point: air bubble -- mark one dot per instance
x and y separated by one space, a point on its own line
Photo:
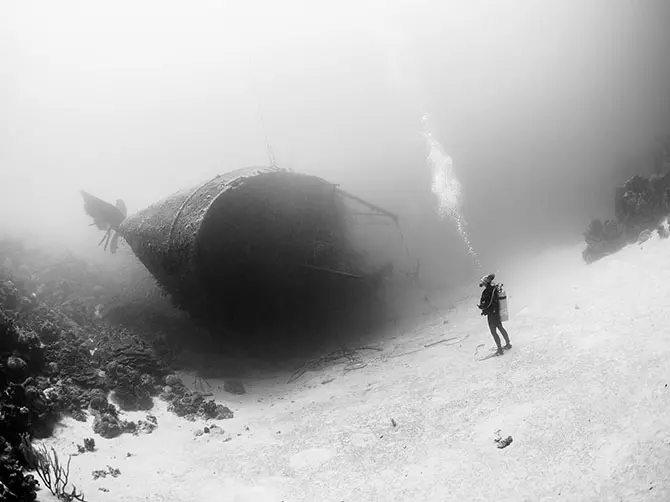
446 186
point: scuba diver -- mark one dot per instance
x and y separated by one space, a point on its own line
490 307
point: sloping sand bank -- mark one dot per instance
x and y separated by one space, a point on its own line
584 394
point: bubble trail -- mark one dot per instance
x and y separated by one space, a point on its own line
446 186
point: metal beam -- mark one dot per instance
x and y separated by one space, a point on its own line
372 206
331 271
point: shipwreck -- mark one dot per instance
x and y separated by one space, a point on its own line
258 248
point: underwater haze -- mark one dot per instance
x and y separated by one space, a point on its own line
253 338
540 105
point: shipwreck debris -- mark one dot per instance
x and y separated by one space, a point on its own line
248 250
351 355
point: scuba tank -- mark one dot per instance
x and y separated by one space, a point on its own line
502 303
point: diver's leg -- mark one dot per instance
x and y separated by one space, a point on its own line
492 327
504 334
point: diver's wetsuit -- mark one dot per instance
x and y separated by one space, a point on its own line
490 305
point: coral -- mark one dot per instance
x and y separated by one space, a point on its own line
107 425
59 357
149 425
103 473
89 445
190 405
9 295
48 332
603 239
132 390
18 486
54 475
641 204
133 370
73 358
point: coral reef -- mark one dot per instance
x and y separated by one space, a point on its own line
603 239
59 355
133 371
190 404
15 485
640 205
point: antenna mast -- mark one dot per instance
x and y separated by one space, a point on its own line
271 154
268 146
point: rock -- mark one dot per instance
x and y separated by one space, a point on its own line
187 404
48 332
132 390
103 473
223 412
198 432
504 443
234 387
208 408
130 427
16 364
132 399
173 380
148 425
98 404
78 415
107 426
99 473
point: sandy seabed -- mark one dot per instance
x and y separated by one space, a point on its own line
584 394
